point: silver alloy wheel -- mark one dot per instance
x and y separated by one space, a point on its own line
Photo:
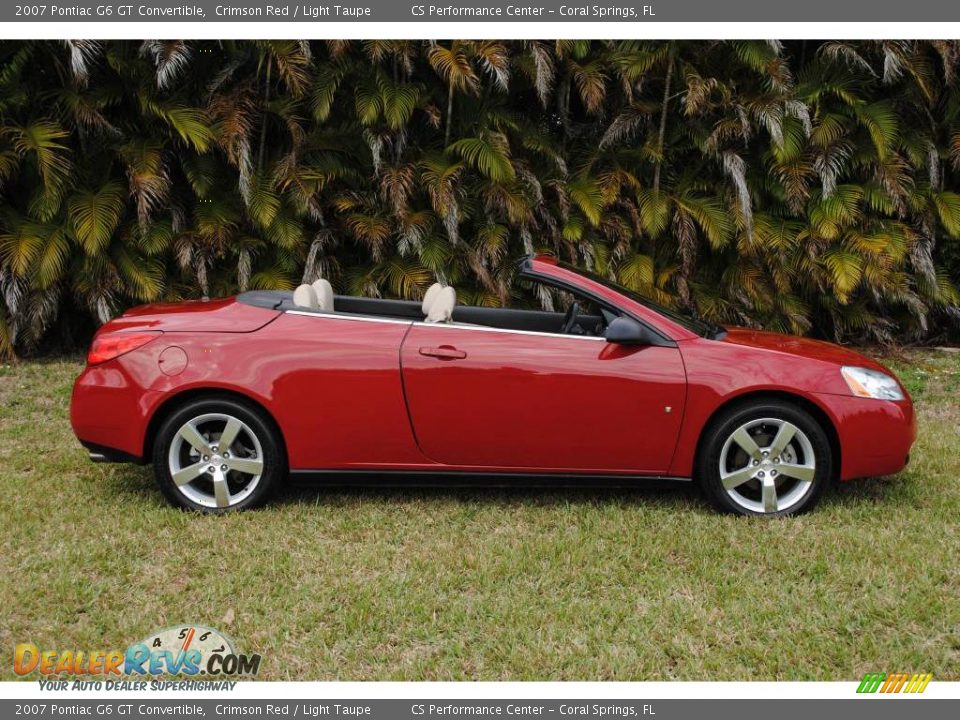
215 460
767 465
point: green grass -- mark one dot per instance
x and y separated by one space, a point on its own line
447 584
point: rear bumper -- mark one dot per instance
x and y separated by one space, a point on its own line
875 435
109 412
103 454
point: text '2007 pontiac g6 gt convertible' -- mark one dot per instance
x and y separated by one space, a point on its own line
228 398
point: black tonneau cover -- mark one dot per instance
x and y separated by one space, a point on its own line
505 318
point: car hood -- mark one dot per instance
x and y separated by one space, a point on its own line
799 346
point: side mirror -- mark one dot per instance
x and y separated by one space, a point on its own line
627 331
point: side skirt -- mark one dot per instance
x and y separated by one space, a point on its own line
454 478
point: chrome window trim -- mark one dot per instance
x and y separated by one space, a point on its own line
449 326
354 318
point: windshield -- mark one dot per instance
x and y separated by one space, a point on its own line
684 319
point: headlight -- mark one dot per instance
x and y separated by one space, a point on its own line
871 383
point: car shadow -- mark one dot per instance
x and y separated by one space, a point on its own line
427 489
893 489
137 482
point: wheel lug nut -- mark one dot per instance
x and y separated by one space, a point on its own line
223 467
756 462
773 473
226 455
210 469
765 453
760 474
776 459
215 448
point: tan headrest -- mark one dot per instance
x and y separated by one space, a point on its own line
324 291
429 296
441 309
306 297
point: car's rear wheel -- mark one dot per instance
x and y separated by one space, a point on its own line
216 455
765 458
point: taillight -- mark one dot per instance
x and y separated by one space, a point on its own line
112 345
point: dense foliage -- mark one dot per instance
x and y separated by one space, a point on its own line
806 186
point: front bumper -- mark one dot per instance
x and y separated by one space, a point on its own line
875 435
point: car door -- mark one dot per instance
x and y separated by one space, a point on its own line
492 398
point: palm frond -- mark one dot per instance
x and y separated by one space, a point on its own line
488 154
171 58
94 216
40 141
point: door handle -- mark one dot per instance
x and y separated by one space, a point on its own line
444 352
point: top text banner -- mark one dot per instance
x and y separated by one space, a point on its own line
313 15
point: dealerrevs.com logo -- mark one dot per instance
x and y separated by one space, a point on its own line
188 650
910 683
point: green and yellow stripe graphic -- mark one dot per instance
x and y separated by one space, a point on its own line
894 682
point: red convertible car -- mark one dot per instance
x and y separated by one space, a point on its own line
228 398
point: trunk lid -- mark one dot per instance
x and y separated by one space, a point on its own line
223 315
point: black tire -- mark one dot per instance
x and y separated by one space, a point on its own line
722 428
271 455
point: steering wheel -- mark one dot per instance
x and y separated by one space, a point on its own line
570 319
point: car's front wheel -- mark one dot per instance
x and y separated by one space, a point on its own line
216 455
764 458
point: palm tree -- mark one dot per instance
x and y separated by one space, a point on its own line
809 187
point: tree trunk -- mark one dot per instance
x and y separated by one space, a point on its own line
563 108
201 273
446 137
663 120
263 125
244 269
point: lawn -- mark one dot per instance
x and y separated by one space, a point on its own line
452 584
